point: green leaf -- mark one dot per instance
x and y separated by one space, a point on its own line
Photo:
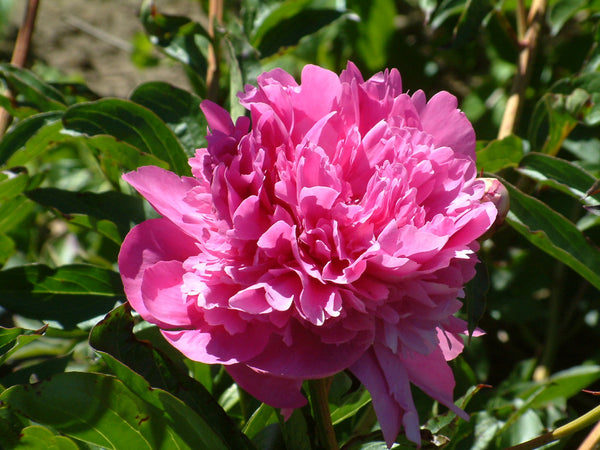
75 92
9 338
562 112
289 21
178 108
561 11
113 337
428 7
553 233
13 212
69 294
44 369
351 405
562 385
23 131
12 184
236 81
469 23
263 416
131 123
570 102
101 410
179 37
15 110
121 209
117 157
375 31
31 90
500 154
7 248
527 426
561 175
36 437
444 424
447 9
295 432
105 228
565 384
11 425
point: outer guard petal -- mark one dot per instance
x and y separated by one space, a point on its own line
278 392
146 244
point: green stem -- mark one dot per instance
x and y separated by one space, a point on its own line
578 424
318 390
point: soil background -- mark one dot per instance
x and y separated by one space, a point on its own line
92 39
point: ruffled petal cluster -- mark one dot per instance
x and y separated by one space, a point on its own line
335 233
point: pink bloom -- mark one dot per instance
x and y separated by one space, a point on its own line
337 233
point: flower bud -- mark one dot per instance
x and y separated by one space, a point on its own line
496 193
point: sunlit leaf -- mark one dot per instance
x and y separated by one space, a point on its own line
31 90
100 410
569 102
263 416
180 38
117 157
20 136
7 248
289 21
352 404
561 175
114 338
374 31
236 82
106 228
12 184
553 233
561 11
131 123
565 384
10 342
13 212
36 437
178 108
500 154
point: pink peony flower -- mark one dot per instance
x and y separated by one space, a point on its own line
337 233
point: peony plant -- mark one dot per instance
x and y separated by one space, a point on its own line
309 276
335 229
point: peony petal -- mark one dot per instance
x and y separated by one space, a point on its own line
387 382
162 296
448 125
217 117
249 221
307 356
167 192
147 244
251 300
278 392
214 345
433 376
